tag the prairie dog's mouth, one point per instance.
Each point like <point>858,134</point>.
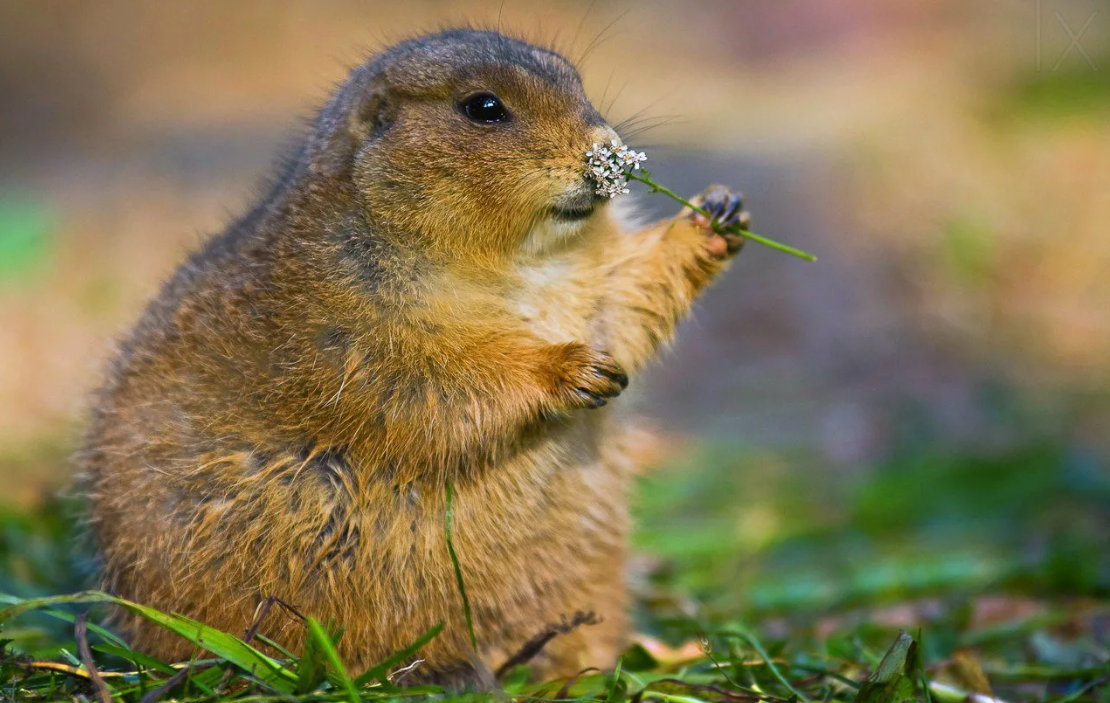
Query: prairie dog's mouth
<point>572,214</point>
<point>564,217</point>
<point>576,205</point>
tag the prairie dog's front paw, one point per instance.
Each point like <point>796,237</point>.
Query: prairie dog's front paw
<point>726,209</point>
<point>587,378</point>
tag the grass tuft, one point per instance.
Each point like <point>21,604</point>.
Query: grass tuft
<point>996,563</point>
<point>458,570</point>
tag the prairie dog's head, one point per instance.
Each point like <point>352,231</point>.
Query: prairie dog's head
<point>467,140</point>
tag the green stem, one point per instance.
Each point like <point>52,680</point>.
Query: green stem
<point>458,572</point>
<point>751,640</point>
<point>734,229</point>
<point>326,645</point>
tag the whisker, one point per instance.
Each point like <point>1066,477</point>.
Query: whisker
<point>633,135</point>
<point>582,22</point>
<point>638,125</point>
<point>553,42</point>
<point>519,158</point>
<point>649,122</point>
<point>630,135</point>
<point>642,112</point>
<point>617,96</point>
<point>607,85</point>
<point>600,38</point>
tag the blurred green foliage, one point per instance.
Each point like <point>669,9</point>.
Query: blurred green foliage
<point>970,250</point>
<point>751,532</point>
<point>1069,91</point>
<point>26,230</point>
<point>43,550</point>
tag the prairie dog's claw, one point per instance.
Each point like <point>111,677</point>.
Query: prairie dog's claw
<point>726,209</point>
<point>589,378</point>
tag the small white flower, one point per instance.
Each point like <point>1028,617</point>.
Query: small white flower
<point>609,167</point>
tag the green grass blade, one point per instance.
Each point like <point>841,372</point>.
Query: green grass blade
<point>266,670</point>
<point>614,687</point>
<point>892,681</point>
<point>274,645</point>
<point>136,657</point>
<point>206,680</point>
<point>229,647</point>
<point>311,666</point>
<point>25,605</point>
<point>324,644</point>
<point>381,671</point>
<point>107,635</point>
<point>458,571</point>
<point>754,642</point>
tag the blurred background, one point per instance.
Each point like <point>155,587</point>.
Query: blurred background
<point>924,410</point>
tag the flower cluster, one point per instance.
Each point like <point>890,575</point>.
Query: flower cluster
<point>608,164</point>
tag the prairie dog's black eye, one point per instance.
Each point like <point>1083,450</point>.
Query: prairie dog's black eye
<point>484,108</point>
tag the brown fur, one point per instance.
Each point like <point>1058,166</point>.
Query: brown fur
<point>398,311</point>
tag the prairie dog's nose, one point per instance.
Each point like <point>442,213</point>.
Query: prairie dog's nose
<point>604,134</point>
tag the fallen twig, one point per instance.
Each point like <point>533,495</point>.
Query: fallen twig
<point>532,648</point>
<point>63,669</point>
<point>81,632</point>
<point>167,686</point>
<point>565,690</point>
<point>700,688</point>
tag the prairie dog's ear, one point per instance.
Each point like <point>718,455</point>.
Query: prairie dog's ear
<point>373,114</point>
<point>360,113</point>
